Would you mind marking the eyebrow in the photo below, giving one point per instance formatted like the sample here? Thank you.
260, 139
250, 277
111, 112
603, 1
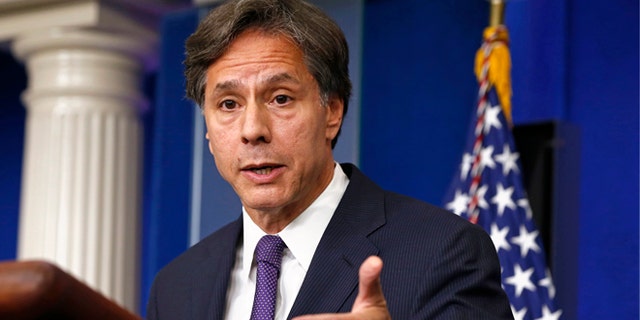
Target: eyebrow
227, 85
276, 78
281, 77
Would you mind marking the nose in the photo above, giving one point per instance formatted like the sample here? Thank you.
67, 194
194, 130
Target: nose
256, 124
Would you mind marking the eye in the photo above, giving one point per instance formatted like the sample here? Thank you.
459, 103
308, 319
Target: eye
228, 105
282, 99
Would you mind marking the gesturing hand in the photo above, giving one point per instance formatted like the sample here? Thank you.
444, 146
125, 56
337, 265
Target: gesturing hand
370, 303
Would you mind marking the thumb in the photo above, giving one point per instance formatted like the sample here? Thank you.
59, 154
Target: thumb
370, 303
370, 290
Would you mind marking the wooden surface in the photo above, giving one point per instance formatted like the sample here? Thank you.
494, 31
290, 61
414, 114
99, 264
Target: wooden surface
40, 290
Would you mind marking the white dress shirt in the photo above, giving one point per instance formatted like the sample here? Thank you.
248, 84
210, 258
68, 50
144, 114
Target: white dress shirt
301, 236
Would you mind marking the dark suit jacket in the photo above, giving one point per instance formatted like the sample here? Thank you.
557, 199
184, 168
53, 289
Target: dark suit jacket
436, 264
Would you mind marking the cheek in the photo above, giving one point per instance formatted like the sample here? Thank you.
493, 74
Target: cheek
219, 142
223, 155
300, 134
216, 134
219, 145
308, 141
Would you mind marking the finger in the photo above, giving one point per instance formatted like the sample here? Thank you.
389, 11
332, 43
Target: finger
370, 303
325, 316
370, 289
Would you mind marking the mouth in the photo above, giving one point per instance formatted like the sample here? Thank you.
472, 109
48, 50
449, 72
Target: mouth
262, 169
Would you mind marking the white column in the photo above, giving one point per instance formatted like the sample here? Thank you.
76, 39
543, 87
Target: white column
80, 205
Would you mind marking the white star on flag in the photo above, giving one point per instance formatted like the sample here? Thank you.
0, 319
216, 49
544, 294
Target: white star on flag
548, 283
503, 199
491, 118
521, 280
459, 203
548, 315
526, 240
524, 204
465, 166
482, 202
508, 160
486, 157
518, 315
499, 237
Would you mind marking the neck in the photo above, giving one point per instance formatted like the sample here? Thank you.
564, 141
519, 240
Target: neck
274, 220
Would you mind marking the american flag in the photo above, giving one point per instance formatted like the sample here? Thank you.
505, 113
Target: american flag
488, 190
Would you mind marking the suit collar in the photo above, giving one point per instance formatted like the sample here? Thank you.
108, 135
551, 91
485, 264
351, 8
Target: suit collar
333, 275
210, 278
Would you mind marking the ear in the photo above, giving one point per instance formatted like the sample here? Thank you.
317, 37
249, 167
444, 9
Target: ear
206, 136
335, 110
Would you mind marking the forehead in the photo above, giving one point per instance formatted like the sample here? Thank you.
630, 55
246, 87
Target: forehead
256, 52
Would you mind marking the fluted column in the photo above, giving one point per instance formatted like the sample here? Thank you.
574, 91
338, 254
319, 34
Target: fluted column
80, 201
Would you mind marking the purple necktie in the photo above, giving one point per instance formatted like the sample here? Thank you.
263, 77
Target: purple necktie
269, 256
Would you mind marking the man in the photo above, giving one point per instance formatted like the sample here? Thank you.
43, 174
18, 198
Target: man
272, 80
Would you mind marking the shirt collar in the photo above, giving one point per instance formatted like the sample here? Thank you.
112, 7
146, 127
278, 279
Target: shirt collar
303, 234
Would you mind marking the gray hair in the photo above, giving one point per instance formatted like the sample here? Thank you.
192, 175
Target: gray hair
321, 41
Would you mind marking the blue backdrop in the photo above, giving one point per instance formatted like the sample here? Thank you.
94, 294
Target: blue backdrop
12, 122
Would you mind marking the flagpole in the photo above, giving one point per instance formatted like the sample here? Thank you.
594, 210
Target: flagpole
496, 15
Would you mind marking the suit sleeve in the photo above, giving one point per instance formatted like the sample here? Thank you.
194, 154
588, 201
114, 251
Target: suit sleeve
152, 310
464, 283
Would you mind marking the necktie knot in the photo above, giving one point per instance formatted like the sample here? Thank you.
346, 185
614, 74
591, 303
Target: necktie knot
269, 249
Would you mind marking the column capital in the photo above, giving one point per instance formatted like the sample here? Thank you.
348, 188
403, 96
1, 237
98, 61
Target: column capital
44, 21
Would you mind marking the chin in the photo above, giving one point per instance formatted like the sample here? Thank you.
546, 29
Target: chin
262, 203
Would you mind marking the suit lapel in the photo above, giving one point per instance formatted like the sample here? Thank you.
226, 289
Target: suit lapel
332, 277
211, 276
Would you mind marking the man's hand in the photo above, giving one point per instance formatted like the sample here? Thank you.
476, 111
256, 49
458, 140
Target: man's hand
370, 303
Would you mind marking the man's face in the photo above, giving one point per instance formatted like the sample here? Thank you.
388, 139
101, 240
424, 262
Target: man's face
268, 131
